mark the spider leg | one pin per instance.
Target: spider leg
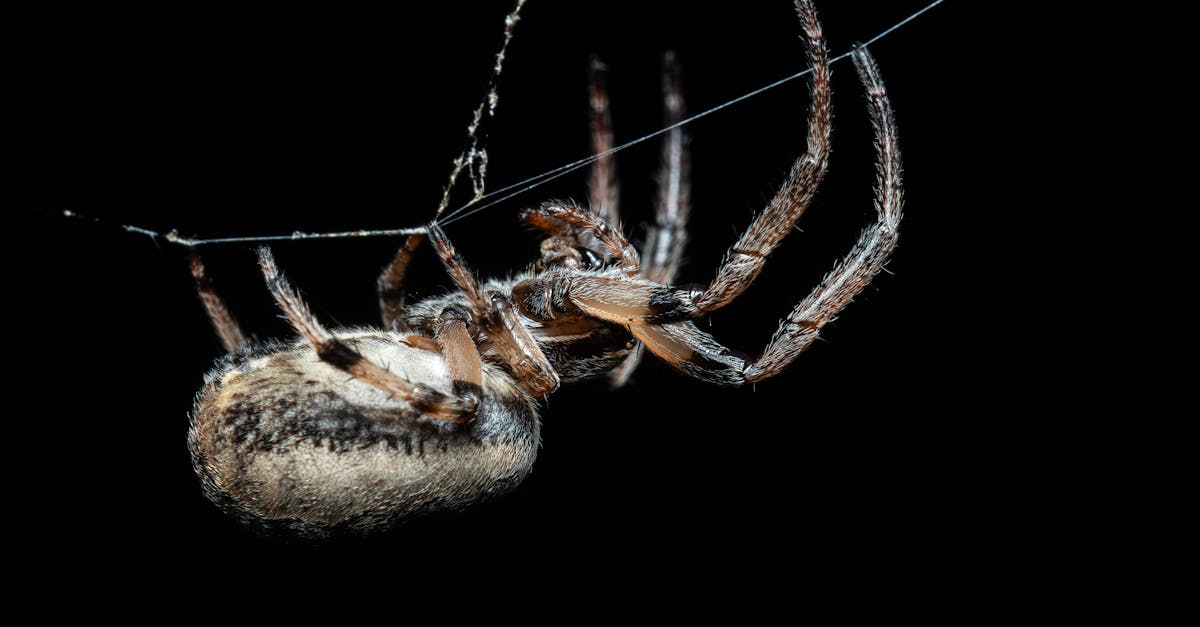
(462, 356)
(602, 178)
(560, 218)
(745, 259)
(666, 238)
(854, 272)
(647, 311)
(506, 336)
(391, 284)
(517, 347)
(341, 356)
(232, 338)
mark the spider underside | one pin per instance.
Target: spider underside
(355, 429)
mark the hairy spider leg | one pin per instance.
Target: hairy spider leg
(663, 247)
(664, 328)
(603, 187)
(854, 272)
(223, 322)
(506, 334)
(391, 286)
(459, 407)
(746, 258)
(662, 251)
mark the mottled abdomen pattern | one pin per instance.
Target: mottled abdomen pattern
(282, 440)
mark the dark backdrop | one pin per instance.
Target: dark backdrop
(880, 448)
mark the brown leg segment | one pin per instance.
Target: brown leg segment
(462, 357)
(629, 302)
(337, 354)
(508, 337)
(866, 259)
(462, 276)
(745, 260)
(232, 338)
(602, 179)
(391, 285)
(519, 349)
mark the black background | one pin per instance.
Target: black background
(885, 447)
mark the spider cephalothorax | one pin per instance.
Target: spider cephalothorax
(358, 428)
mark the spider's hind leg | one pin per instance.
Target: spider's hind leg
(223, 322)
(459, 407)
(391, 285)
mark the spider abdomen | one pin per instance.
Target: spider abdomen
(281, 439)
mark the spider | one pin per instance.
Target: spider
(355, 429)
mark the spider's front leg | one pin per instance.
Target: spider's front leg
(657, 315)
(747, 257)
(854, 272)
